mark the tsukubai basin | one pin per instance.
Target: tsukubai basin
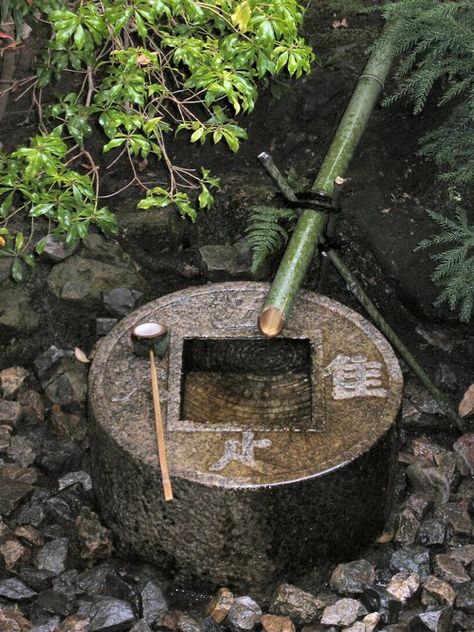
(282, 453)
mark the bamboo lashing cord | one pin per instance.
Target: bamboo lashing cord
(160, 434)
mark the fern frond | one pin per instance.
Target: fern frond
(267, 232)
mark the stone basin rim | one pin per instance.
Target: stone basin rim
(386, 419)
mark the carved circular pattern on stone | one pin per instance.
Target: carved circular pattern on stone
(241, 410)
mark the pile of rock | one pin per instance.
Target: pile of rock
(59, 571)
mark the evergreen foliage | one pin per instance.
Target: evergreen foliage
(435, 40)
(455, 269)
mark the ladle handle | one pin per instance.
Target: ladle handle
(160, 435)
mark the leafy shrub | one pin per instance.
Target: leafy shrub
(147, 69)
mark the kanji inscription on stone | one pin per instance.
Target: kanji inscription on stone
(355, 376)
(241, 451)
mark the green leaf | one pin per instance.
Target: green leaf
(5, 205)
(19, 241)
(154, 202)
(41, 245)
(115, 142)
(41, 209)
(29, 260)
(241, 16)
(79, 37)
(231, 140)
(197, 135)
(205, 198)
(17, 270)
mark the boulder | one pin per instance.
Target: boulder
(85, 281)
(16, 311)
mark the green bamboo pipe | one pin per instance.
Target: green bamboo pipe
(311, 224)
(354, 286)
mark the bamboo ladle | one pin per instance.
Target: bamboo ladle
(149, 339)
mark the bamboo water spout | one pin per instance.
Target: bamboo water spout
(358, 292)
(311, 224)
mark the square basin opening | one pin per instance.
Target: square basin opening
(247, 384)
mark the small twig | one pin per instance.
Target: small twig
(90, 90)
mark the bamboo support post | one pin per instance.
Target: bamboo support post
(356, 289)
(354, 286)
(311, 223)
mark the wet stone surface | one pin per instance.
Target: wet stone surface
(243, 413)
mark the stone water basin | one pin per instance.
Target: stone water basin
(282, 452)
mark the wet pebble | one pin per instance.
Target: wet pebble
(74, 478)
(153, 600)
(11, 494)
(141, 626)
(465, 597)
(407, 528)
(377, 599)
(53, 556)
(36, 579)
(32, 406)
(463, 554)
(432, 531)
(52, 624)
(351, 578)
(449, 569)
(358, 626)
(15, 590)
(13, 552)
(66, 385)
(457, 517)
(104, 325)
(5, 437)
(413, 558)
(10, 412)
(47, 360)
(56, 250)
(291, 601)
(12, 620)
(404, 585)
(436, 590)
(343, 613)
(371, 621)
(220, 605)
(438, 620)
(121, 301)
(188, 624)
(22, 450)
(244, 614)
(277, 623)
(12, 380)
(418, 504)
(112, 615)
(53, 602)
(464, 449)
(94, 539)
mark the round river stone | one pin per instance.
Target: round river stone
(282, 452)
